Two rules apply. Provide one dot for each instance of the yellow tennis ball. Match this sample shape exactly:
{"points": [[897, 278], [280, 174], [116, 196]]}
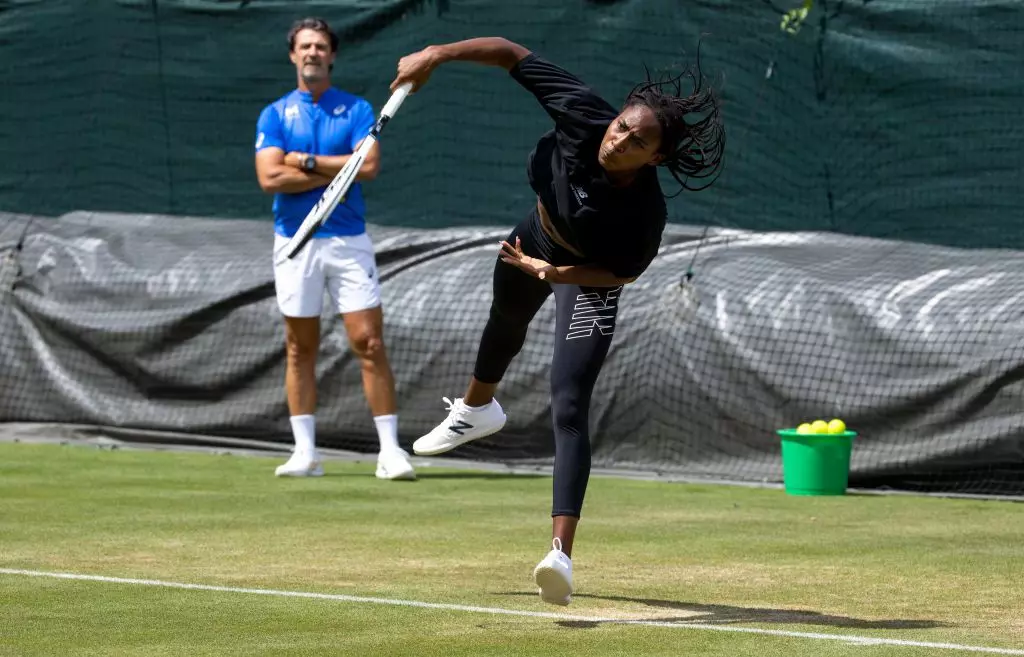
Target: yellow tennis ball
{"points": [[837, 426], [819, 426], [804, 428]]}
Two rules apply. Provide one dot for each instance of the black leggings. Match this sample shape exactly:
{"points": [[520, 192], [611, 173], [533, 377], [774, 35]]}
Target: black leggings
{"points": [[585, 322]]}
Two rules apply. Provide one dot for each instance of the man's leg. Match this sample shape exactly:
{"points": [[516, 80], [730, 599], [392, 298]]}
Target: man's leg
{"points": [[354, 285], [365, 330], [302, 341], [300, 287], [584, 329], [517, 298]]}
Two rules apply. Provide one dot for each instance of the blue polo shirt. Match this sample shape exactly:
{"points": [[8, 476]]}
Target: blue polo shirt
{"points": [[334, 125]]}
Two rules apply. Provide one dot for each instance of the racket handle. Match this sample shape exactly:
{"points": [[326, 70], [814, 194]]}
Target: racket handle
{"points": [[339, 186], [396, 100]]}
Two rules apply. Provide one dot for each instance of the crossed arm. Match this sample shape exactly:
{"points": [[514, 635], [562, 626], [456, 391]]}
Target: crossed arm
{"points": [[280, 172]]}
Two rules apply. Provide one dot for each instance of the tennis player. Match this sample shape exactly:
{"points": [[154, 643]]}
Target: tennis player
{"points": [[302, 141], [596, 227]]}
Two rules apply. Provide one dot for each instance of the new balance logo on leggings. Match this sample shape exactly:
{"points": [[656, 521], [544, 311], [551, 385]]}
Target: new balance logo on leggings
{"points": [[594, 310]]}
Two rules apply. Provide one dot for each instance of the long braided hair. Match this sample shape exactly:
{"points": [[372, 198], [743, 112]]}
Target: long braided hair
{"points": [[692, 133]]}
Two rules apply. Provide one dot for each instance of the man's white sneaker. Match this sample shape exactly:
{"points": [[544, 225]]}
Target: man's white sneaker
{"points": [[554, 576], [462, 425], [394, 464], [301, 464]]}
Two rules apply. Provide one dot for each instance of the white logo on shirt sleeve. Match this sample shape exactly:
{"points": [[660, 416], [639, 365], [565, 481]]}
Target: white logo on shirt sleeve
{"points": [[339, 109], [260, 139]]}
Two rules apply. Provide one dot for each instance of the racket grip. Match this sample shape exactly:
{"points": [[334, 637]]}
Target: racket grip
{"points": [[396, 100]]}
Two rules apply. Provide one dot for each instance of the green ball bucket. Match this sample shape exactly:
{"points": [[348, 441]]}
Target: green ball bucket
{"points": [[816, 464]]}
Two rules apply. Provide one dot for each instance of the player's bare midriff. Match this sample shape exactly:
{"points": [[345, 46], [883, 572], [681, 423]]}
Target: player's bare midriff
{"points": [[549, 230]]}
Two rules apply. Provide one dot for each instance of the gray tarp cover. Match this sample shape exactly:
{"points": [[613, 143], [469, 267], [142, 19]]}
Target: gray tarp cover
{"points": [[171, 324]]}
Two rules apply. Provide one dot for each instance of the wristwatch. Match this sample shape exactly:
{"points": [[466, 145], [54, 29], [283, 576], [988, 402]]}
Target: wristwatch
{"points": [[308, 162]]}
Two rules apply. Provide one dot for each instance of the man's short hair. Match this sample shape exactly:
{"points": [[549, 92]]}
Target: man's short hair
{"points": [[315, 24]]}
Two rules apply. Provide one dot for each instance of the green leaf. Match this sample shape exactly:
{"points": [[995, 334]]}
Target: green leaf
{"points": [[793, 19]]}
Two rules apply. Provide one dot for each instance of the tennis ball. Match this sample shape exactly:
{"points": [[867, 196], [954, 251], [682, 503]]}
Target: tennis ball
{"points": [[804, 428], [819, 426], [836, 426]]}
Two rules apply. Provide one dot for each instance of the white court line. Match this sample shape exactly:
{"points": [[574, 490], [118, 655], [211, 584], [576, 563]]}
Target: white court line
{"points": [[846, 638]]}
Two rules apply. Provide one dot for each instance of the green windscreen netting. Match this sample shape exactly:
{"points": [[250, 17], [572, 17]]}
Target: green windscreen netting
{"points": [[891, 118]]}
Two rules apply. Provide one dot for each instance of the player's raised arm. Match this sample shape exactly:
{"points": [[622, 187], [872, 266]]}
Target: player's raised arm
{"points": [[491, 51]]}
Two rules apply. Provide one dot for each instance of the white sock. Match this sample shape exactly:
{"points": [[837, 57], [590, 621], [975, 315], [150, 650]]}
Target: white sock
{"points": [[476, 408], [304, 430], [387, 431]]}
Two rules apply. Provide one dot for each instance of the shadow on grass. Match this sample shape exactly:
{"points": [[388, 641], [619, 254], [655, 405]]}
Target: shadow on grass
{"points": [[705, 614], [422, 474]]}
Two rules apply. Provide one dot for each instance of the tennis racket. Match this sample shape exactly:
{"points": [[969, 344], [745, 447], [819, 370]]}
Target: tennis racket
{"points": [[338, 188]]}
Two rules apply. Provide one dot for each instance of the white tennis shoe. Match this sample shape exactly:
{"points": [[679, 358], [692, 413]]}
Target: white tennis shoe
{"points": [[462, 425], [553, 576], [394, 464], [301, 464]]}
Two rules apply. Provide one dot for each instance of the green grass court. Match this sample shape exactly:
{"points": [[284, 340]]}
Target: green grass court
{"points": [[687, 560]]}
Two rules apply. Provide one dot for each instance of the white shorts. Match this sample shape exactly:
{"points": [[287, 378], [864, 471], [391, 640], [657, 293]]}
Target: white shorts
{"points": [[343, 267]]}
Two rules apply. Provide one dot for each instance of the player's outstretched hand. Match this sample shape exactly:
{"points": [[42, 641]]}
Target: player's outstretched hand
{"points": [[535, 267], [415, 68]]}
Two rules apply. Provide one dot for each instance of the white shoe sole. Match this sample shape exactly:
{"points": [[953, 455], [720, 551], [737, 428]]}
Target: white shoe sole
{"points": [[402, 475], [318, 471], [419, 448], [553, 587]]}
